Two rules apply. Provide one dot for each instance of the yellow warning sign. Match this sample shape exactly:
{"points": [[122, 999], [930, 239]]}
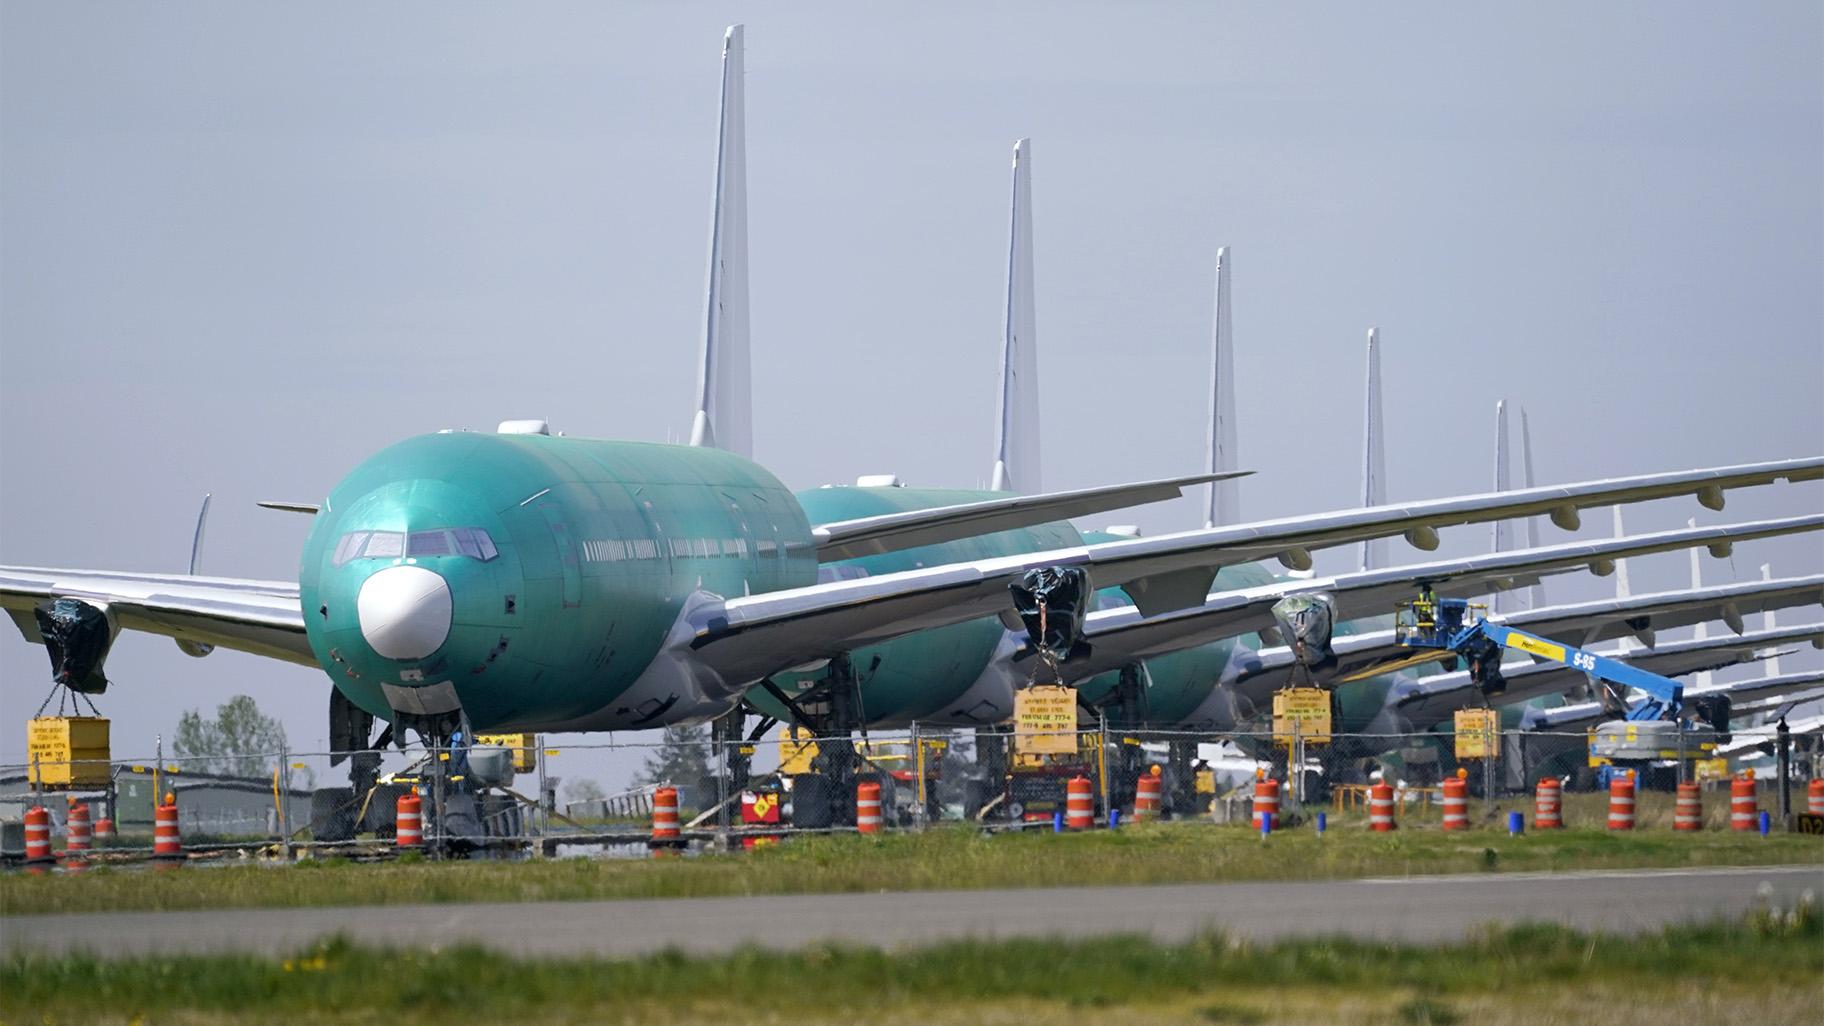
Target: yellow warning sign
{"points": [[796, 750], [1478, 733], [1045, 720], [1301, 713]]}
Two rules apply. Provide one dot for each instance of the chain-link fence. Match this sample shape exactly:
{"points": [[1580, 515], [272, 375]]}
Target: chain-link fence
{"points": [[502, 797]]}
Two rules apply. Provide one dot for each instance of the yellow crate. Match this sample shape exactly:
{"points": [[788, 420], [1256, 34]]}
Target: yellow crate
{"points": [[525, 748], [1301, 713], [67, 751], [1478, 733]]}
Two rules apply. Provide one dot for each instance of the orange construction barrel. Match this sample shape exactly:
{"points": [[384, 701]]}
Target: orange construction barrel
{"points": [[664, 820], [77, 837], [409, 820], [1147, 793], [1079, 806], [37, 834], [1380, 808], [1266, 802], [1814, 797], [165, 841], [1456, 803], [1548, 804], [1744, 810], [1688, 814], [1621, 802], [104, 830], [867, 806]]}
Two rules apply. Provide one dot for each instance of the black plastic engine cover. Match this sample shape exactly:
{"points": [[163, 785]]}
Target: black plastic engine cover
{"points": [[1065, 594], [77, 637]]}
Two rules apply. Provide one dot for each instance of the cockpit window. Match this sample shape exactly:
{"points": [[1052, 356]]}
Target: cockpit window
{"points": [[472, 542], [428, 543]]}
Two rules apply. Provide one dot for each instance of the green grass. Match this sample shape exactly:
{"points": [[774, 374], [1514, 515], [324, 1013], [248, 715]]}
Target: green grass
{"points": [[939, 859], [1764, 968]]}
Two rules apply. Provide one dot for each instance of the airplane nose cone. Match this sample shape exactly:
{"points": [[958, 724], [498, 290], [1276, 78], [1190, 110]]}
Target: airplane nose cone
{"points": [[404, 612]]}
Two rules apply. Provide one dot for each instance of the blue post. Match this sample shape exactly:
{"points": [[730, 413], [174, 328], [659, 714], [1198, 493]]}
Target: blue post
{"points": [[1321, 824], [1766, 824], [1114, 819], [1057, 821], [1516, 824], [1266, 826]]}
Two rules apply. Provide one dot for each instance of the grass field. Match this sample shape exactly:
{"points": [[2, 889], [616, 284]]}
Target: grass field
{"points": [[938, 859], [1765, 968]]}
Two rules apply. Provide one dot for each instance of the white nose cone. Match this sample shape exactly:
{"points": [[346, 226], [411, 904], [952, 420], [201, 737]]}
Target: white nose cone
{"points": [[404, 612]]}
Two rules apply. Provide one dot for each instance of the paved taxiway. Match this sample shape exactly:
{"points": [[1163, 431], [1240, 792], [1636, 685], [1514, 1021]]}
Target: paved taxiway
{"points": [[1411, 908]]}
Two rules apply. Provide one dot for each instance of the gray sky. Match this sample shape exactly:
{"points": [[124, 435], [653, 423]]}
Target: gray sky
{"points": [[242, 247]]}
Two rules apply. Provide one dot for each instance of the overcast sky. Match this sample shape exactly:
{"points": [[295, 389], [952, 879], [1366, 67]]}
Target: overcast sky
{"points": [[242, 247]]}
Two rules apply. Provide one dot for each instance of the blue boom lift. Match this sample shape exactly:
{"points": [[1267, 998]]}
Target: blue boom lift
{"points": [[1656, 728]]}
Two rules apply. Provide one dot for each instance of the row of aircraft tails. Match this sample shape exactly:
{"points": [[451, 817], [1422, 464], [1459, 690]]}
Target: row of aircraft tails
{"points": [[526, 581]]}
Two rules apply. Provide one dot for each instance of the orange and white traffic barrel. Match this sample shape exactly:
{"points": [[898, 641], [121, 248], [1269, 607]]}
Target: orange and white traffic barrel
{"points": [[409, 822], [1744, 810], [1456, 802], [1621, 801], [1147, 792], [867, 806], [77, 829], [1079, 807], [664, 820], [1266, 803], [165, 841], [1814, 797], [1380, 807], [104, 830], [1688, 814], [1548, 804], [37, 834]]}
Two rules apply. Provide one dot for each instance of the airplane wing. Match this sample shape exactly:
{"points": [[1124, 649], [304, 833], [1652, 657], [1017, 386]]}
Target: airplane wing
{"points": [[1119, 636], [261, 617], [1767, 736], [1377, 652], [750, 637], [1432, 700], [890, 532], [1787, 687]]}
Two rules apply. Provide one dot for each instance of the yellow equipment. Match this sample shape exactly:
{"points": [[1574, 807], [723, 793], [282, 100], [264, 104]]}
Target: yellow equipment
{"points": [[68, 751], [1301, 713], [1478, 733], [525, 748]]}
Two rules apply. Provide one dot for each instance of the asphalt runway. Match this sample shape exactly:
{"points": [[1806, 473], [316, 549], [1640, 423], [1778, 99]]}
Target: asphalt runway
{"points": [[1439, 908]]}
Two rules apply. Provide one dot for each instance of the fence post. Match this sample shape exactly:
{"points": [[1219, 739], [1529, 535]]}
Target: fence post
{"points": [[719, 737], [1102, 756], [918, 779], [539, 814], [284, 800]]}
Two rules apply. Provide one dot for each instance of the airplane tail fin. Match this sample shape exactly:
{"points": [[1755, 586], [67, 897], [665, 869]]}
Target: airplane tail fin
{"points": [[1535, 595], [724, 416], [1374, 451], [1016, 457], [1224, 505], [1501, 532]]}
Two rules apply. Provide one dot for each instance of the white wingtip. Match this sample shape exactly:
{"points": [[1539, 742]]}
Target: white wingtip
{"points": [[1374, 451], [724, 415], [1016, 467], [1224, 504]]}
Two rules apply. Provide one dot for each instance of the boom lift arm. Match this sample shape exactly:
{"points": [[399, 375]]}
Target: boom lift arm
{"points": [[1430, 622]]}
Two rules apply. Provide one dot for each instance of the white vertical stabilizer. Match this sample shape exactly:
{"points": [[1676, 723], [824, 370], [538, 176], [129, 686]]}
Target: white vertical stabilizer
{"points": [[1224, 506], [725, 415], [1374, 451], [1016, 460], [1772, 662], [1501, 531], [1535, 595], [1703, 677]]}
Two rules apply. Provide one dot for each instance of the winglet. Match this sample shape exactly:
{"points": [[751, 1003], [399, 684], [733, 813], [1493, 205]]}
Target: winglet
{"points": [[1374, 452], [1016, 457], [724, 416], [1225, 495], [196, 542]]}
